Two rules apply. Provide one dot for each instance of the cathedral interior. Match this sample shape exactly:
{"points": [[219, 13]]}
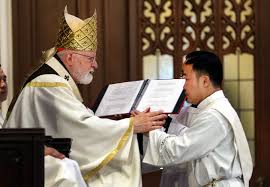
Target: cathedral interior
{"points": [[148, 39]]}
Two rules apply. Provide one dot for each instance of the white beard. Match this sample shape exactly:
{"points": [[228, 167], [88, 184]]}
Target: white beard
{"points": [[86, 79]]}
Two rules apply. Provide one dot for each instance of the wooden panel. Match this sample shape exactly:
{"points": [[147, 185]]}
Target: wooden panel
{"points": [[116, 40], [22, 157], [262, 94], [135, 70], [151, 179], [35, 25]]}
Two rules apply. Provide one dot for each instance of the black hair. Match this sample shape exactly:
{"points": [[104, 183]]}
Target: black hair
{"points": [[204, 62]]}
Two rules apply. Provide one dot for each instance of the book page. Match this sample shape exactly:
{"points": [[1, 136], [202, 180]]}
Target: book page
{"points": [[119, 98], [161, 95]]}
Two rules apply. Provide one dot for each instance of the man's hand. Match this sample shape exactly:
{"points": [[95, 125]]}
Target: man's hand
{"points": [[136, 112], [53, 152], [147, 121]]}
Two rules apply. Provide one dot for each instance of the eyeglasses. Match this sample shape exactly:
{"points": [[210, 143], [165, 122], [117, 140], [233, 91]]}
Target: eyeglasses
{"points": [[182, 76], [90, 58]]}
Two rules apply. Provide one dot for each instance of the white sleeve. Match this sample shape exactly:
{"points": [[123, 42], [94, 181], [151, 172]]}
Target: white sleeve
{"points": [[205, 133], [62, 173], [176, 128]]}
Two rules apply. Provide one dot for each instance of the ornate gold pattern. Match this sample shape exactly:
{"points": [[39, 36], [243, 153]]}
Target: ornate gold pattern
{"points": [[238, 25], [179, 27], [197, 26], [84, 38], [158, 25]]}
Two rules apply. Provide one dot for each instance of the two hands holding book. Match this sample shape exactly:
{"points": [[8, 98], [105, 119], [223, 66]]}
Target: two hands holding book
{"points": [[145, 121]]}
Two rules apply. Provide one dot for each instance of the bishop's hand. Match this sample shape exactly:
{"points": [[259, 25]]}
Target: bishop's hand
{"points": [[53, 152], [147, 121]]}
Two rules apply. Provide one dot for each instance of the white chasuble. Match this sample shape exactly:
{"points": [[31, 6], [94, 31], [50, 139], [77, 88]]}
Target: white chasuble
{"points": [[106, 150]]}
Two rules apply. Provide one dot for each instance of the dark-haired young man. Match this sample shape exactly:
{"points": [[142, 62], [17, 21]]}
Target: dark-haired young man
{"points": [[213, 142]]}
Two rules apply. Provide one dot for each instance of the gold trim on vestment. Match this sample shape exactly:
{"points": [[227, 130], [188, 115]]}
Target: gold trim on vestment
{"points": [[111, 155], [47, 84]]}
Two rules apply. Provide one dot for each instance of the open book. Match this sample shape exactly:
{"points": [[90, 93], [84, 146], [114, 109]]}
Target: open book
{"points": [[122, 98]]}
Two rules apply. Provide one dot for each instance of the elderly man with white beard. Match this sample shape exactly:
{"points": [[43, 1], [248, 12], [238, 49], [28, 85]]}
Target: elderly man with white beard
{"points": [[106, 150]]}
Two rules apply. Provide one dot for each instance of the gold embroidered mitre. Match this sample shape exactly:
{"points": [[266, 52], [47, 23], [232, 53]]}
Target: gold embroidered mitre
{"points": [[77, 34]]}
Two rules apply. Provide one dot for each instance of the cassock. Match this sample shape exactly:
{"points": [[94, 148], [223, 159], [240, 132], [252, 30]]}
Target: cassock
{"points": [[106, 150], [177, 175], [210, 146]]}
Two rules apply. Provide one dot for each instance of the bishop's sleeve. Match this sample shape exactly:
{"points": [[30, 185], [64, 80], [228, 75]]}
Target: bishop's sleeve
{"points": [[62, 173]]}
